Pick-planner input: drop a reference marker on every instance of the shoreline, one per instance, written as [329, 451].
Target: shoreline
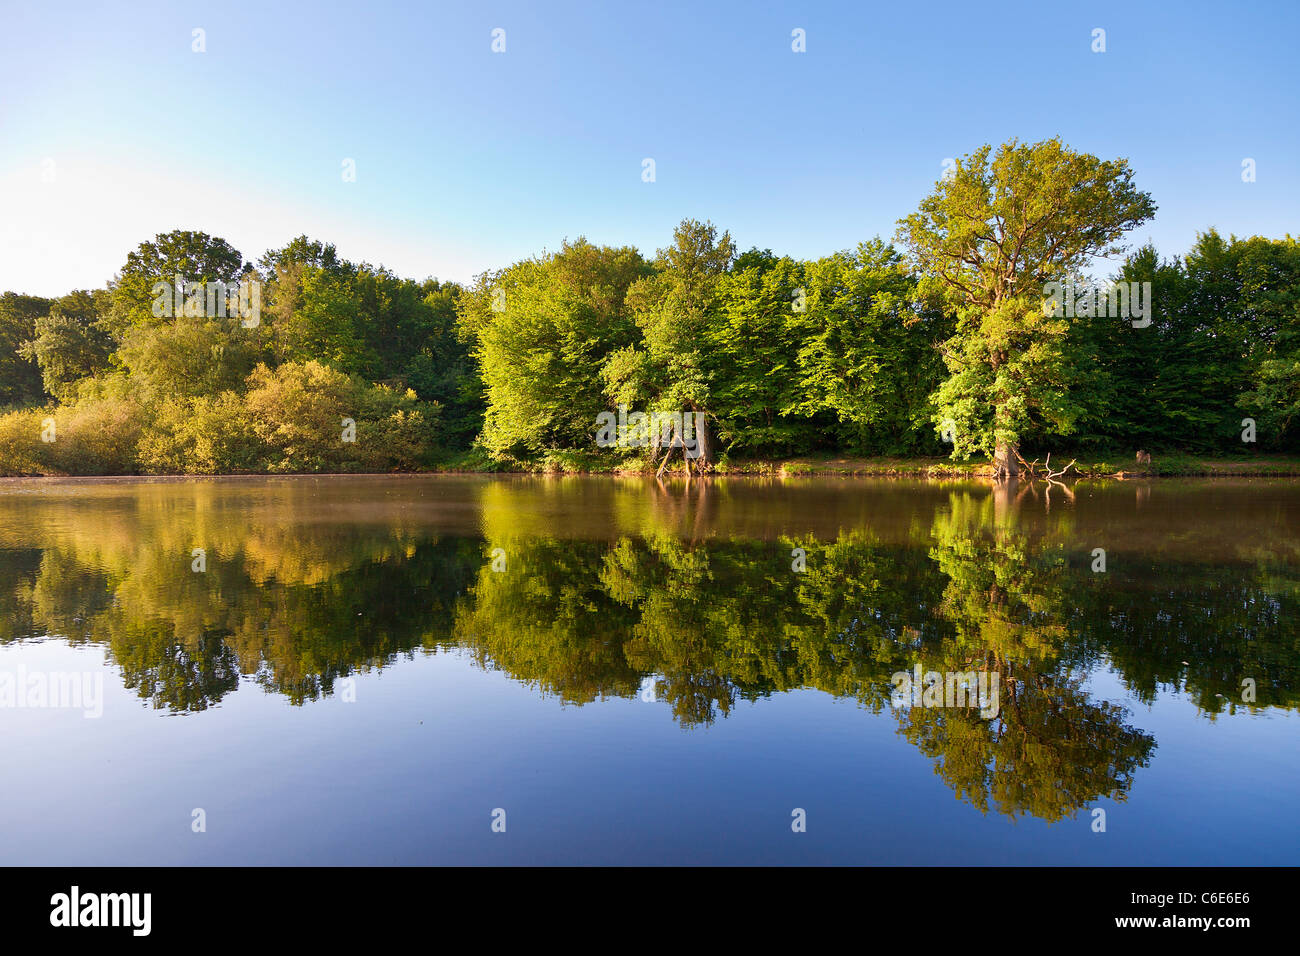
[882, 468]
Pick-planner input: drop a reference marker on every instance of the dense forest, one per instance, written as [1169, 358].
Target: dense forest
[939, 342]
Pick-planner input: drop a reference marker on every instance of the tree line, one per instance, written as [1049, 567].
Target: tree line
[939, 342]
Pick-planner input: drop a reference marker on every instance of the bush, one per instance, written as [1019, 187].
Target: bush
[302, 417]
[189, 357]
[313, 418]
[205, 436]
[96, 437]
[93, 437]
[20, 443]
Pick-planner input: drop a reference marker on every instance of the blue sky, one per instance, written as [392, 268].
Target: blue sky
[112, 129]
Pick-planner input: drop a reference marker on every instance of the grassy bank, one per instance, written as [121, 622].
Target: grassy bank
[1162, 466]
[477, 461]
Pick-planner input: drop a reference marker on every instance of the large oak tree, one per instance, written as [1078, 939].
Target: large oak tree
[987, 240]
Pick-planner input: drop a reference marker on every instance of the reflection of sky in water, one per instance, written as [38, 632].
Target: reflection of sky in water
[411, 771]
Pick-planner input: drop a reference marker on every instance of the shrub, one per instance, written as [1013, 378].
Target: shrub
[96, 437]
[205, 436]
[300, 412]
[20, 443]
[93, 437]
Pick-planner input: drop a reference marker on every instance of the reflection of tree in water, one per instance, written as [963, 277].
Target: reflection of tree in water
[1006, 592]
[711, 623]
[183, 639]
[1198, 628]
[671, 586]
[190, 676]
[546, 621]
[66, 595]
[296, 604]
[731, 621]
[1050, 751]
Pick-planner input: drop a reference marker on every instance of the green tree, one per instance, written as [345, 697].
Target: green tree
[190, 357]
[867, 352]
[1049, 750]
[327, 326]
[20, 375]
[753, 357]
[312, 417]
[676, 308]
[195, 257]
[987, 240]
[1262, 280]
[543, 330]
[442, 368]
[71, 343]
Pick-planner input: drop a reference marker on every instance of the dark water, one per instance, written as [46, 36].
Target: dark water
[341, 675]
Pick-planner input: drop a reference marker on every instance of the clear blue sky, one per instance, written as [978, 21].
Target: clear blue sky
[467, 159]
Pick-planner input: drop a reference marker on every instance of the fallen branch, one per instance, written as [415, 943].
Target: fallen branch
[1046, 473]
[1053, 475]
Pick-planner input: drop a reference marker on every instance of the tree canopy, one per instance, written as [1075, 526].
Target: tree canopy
[986, 242]
[947, 342]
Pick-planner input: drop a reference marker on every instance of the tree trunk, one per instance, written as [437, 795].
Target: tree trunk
[705, 439]
[1006, 458]
[668, 453]
[1006, 464]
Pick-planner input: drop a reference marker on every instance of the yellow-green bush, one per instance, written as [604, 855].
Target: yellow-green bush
[96, 437]
[301, 417]
[311, 417]
[20, 443]
[203, 436]
[93, 437]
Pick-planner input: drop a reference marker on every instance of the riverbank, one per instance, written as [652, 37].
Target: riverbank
[1161, 466]
[1170, 466]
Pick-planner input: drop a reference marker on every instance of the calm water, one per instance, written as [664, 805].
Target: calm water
[350, 672]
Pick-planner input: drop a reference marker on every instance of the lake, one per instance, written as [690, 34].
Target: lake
[473, 669]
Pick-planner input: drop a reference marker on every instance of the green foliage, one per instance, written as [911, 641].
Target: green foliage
[188, 357]
[194, 257]
[327, 325]
[70, 343]
[20, 376]
[205, 435]
[986, 241]
[868, 351]
[21, 451]
[440, 365]
[300, 413]
[753, 358]
[366, 321]
[96, 436]
[1262, 277]
[1223, 344]
[543, 330]
[674, 308]
[857, 353]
